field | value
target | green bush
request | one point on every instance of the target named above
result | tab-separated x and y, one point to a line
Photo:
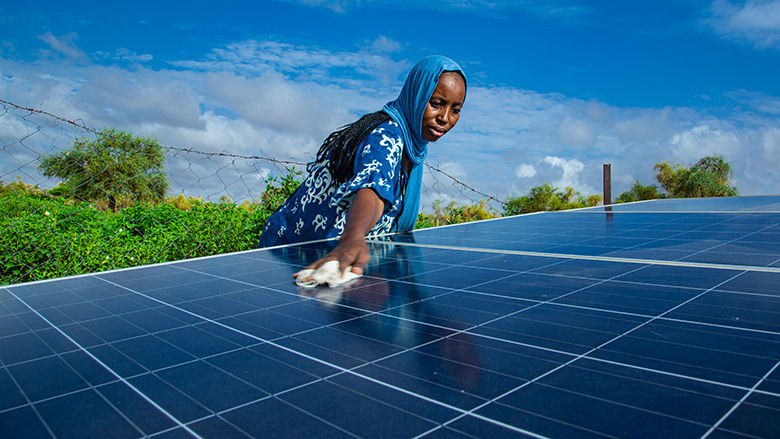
639	192
546	197
44	237
454	213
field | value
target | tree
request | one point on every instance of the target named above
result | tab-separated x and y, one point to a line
709	177
639	192
547	197
116	166
454	213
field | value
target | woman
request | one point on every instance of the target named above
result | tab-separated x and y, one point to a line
367	176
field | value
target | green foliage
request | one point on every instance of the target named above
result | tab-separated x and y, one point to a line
548	198
117	167
639	192
454	213
43	236
277	190
180	202
18	186
709	177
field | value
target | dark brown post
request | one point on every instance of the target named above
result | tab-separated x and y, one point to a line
607	186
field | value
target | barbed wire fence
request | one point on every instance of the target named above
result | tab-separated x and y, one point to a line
41	237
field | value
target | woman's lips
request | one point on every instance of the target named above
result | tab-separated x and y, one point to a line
436	132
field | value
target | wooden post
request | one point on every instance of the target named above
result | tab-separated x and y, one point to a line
607	186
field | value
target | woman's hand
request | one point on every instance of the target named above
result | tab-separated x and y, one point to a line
352	250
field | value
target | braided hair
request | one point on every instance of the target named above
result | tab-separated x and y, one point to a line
341	145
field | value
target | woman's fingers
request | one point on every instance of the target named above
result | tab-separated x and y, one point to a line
353	253
361	260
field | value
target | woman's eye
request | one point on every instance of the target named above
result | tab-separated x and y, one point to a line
435	104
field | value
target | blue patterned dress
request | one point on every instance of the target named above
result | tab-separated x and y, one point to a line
318	209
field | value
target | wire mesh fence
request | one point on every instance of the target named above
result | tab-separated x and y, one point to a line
75	199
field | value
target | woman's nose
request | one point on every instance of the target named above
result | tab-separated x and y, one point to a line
442	117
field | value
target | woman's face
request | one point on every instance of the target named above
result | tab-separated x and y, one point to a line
443	109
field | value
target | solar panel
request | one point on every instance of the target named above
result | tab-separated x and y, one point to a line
653	319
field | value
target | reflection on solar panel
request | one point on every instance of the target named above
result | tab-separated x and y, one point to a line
655	319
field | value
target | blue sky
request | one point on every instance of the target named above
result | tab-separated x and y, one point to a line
556	88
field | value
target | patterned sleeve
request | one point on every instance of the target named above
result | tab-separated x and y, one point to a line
378	165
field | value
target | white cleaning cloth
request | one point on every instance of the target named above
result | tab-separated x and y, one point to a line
328	273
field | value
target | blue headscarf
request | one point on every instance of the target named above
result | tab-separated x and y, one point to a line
407	110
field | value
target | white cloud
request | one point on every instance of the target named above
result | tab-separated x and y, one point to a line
338	6
570	170
253	57
756	102
133	97
124	55
576	133
771	144
63	44
525	171
754	21
281	100
499	152
279	103
554	9
701	140
385	45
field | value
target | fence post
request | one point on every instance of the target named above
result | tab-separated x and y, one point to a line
607	186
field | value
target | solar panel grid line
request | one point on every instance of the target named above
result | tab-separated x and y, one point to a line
741	203
110	370
538	331
471	412
728	242
319	418
497	319
716	245
103	397
362	310
723	383
637	367
342	370
594	258
601	214
605	400
671	220
681	287
690	322
165	368
45	399
665	236
435	341
120	340
28	402
740	402
599	210
747	293
663	385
